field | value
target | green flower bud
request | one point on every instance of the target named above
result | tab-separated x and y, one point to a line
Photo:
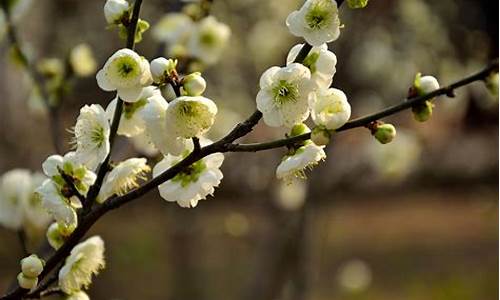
299	129
422	111
31	266
56	235
320	136
357	3
385	133
193	84
26	282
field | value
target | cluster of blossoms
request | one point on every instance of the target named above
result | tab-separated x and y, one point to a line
192	34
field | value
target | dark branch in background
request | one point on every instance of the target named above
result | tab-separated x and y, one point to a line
35	76
21	234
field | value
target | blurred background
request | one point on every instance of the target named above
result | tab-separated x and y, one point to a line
415	219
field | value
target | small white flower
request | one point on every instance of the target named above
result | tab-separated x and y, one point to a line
115	10
320	61
82	177
31	266
154	115
132	121
330	108
161	68
188	117
317	22
296	163
26	282
91	132
173	28
59	206
15	188
78	296
127	73
193	184
193	84
86	259
208	40
82	60
283	95
123	178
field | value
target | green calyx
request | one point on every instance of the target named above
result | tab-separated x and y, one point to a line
310	61
190	174
422	111
357	3
129	108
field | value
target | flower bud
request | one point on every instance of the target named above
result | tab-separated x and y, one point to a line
492	84
385	133
31	266
422	111
26	282
299	129
425	84
56	235
115	10
320	136
193	84
161	68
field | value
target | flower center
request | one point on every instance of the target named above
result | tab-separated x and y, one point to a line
320	14
126	67
332	109
208	38
190	174
97	136
285	92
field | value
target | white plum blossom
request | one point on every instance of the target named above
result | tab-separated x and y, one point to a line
188	117
86	259
317	22
19	206
132	118
115	10
59	206
127	73
193	84
154	115
330	108
295	163
284	93
123	178
91	136
173	29
208	39
194	183
320	61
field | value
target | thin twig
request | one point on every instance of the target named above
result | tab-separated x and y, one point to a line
21	234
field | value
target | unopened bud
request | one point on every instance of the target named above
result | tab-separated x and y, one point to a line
56	235
193	84
320	136
299	129
423	85
161	68
384	133
492	84
115	11
357	3
31	266
26	282
422	111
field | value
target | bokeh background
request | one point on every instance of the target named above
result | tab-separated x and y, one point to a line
415	219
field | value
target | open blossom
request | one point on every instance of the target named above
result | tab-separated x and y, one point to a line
320	61
208	39
92	136
317	22
123	178
157	131
59	206
284	93
194	183
115	10
86	259
188	117
295	163
132	121
173	28
330	108
19	206
127	73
